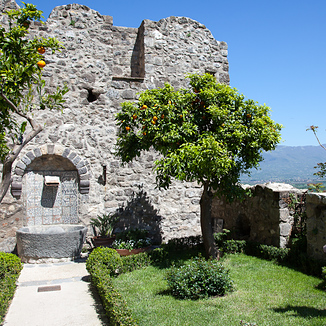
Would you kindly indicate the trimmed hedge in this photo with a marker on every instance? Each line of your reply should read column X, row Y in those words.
column 10, row 267
column 105, row 263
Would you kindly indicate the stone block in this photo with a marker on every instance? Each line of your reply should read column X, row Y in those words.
column 284, row 214
column 58, row 150
column 26, row 160
column 50, row 148
column 37, row 152
column 285, row 229
column 21, row 165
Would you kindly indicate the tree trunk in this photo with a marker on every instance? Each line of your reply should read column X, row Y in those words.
column 211, row 249
column 7, row 165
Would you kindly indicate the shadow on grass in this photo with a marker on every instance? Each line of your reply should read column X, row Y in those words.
column 302, row 311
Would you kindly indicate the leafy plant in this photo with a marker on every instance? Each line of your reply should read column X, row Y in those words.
column 132, row 239
column 104, row 224
column 207, row 133
column 199, row 279
column 131, row 244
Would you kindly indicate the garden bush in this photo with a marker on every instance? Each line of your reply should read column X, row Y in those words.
column 10, row 267
column 106, row 258
column 199, row 279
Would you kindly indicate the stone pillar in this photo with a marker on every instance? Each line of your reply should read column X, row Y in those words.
column 316, row 225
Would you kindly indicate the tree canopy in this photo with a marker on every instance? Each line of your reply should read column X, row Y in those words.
column 206, row 133
column 22, row 87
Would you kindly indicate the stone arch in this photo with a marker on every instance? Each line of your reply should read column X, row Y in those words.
column 80, row 164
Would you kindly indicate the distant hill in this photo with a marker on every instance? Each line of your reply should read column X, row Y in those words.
column 290, row 164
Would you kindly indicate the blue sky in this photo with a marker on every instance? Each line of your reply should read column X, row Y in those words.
column 276, row 50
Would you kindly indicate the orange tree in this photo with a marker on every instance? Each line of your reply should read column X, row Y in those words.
column 207, row 133
column 22, row 86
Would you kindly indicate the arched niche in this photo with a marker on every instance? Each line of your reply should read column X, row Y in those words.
column 51, row 178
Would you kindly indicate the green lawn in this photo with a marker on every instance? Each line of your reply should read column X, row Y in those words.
column 265, row 294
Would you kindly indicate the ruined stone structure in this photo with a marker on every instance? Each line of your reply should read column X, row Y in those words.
column 265, row 217
column 104, row 65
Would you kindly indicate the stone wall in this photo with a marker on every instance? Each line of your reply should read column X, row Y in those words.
column 104, row 65
column 265, row 217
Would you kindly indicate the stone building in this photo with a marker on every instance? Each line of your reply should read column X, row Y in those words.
column 104, row 65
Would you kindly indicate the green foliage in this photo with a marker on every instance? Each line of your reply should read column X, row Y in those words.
column 324, row 273
column 133, row 262
column 132, row 234
column 114, row 305
column 199, row 278
column 107, row 258
column 131, row 244
column 184, row 243
column 104, row 224
column 317, row 187
column 21, row 83
column 208, row 133
column 9, row 264
column 132, row 239
column 10, row 267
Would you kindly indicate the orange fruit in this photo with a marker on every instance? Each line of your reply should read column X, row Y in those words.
column 180, row 115
column 26, row 23
column 155, row 118
column 134, row 116
column 144, row 133
column 144, row 107
column 153, row 122
column 162, row 116
column 248, row 115
column 41, row 64
column 127, row 128
column 41, row 50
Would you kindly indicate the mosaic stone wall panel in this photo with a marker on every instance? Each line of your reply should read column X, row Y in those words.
column 48, row 204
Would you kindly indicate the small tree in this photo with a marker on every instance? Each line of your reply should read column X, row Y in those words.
column 22, row 86
column 321, row 166
column 208, row 133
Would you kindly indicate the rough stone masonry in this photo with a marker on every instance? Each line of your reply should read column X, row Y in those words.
column 104, row 65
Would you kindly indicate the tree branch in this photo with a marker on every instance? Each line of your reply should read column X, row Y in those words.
column 7, row 165
column 16, row 110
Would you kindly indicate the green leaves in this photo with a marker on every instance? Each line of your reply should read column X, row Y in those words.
column 207, row 133
column 21, row 82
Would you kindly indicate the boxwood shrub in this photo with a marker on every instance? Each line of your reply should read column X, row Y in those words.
column 199, row 278
column 10, row 267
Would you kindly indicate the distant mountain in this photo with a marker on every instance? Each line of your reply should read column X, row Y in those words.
column 290, row 164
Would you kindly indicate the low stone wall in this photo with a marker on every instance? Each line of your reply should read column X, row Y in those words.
column 316, row 225
column 265, row 217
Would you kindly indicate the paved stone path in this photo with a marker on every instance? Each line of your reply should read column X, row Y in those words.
column 56, row 294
